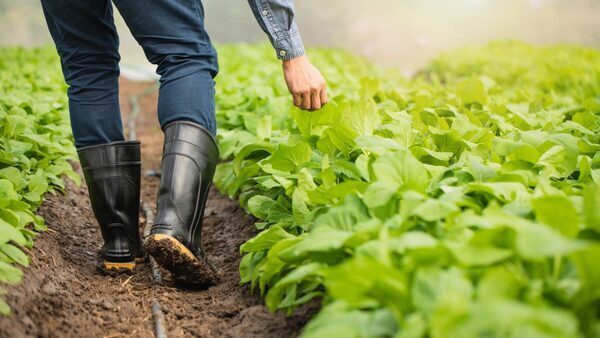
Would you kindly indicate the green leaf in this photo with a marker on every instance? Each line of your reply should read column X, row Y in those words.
column 587, row 267
column 9, row 274
column 338, row 320
column 255, row 150
column 379, row 193
column 7, row 192
column 433, row 210
column 536, row 241
column 292, row 279
column 365, row 282
column 15, row 254
column 265, row 239
column 591, row 207
column 266, row 208
column 499, row 282
column 317, row 242
column 4, row 308
column 471, row 90
column 10, row 233
column 358, row 118
column 460, row 318
column 313, row 123
column 403, row 169
column 503, row 191
column 432, row 285
column 344, row 216
column 558, row 212
column 289, row 158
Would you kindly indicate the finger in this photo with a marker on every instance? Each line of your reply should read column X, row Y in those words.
column 315, row 100
column 297, row 100
column 324, row 97
column 306, row 101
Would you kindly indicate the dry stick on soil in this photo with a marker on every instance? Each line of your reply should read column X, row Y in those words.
column 126, row 281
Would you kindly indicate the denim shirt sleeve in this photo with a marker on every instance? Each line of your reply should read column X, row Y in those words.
column 276, row 18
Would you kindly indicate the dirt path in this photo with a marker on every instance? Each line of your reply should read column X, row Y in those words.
column 64, row 294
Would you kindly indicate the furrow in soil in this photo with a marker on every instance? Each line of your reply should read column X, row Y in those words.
column 64, row 294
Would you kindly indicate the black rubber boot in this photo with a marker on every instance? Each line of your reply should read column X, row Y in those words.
column 190, row 156
column 112, row 173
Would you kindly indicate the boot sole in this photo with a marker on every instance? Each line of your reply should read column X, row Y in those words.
column 120, row 267
column 175, row 257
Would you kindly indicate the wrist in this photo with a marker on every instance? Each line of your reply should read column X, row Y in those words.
column 294, row 61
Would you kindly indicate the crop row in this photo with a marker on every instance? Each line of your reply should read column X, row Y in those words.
column 35, row 149
column 461, row 203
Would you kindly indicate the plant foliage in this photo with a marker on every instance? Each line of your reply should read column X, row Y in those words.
column 464, row 202
column 35, row 146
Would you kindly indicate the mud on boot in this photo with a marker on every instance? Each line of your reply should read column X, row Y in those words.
column 190, row 156
column 112, row 174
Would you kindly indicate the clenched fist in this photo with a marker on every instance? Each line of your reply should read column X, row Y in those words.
column 305, row 83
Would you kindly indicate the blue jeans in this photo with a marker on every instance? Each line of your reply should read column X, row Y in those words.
column 172, row 35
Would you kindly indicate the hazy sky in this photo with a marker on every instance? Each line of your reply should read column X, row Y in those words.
column 402, row 33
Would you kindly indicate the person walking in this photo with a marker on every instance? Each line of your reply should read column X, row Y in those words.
column 173, row 37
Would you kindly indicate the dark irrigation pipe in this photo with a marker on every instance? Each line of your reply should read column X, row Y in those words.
column 157, row 314
column 159, row 320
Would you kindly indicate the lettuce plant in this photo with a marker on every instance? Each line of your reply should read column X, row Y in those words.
column 464, row 202
column 35, row 149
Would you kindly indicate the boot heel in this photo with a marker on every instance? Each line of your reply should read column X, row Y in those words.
column 118, row 267
column 112, row 174
column 118, row 261
column 175, row 257
column 190, row 156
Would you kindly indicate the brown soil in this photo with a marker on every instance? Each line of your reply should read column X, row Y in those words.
column 64, row 294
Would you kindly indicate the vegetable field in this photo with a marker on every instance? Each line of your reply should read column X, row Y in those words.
column 35, row 147
column 462, row 202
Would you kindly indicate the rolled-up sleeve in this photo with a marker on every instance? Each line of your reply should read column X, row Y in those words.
column 276, row 18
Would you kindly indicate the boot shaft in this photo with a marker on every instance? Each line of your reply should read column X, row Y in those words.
column 112, row 173
column 190, row 156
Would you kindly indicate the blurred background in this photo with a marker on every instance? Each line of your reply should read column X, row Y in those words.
column 399, row 33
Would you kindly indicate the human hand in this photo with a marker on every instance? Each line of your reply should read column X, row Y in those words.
column 305, row 83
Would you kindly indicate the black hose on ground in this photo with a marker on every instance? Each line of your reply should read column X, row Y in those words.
column 157, row 314
column 159, row 320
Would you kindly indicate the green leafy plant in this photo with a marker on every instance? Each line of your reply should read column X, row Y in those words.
column 461, row 203
column 35, row 147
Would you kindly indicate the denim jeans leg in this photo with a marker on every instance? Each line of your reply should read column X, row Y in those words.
column 87, row 42
column 172, row 35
